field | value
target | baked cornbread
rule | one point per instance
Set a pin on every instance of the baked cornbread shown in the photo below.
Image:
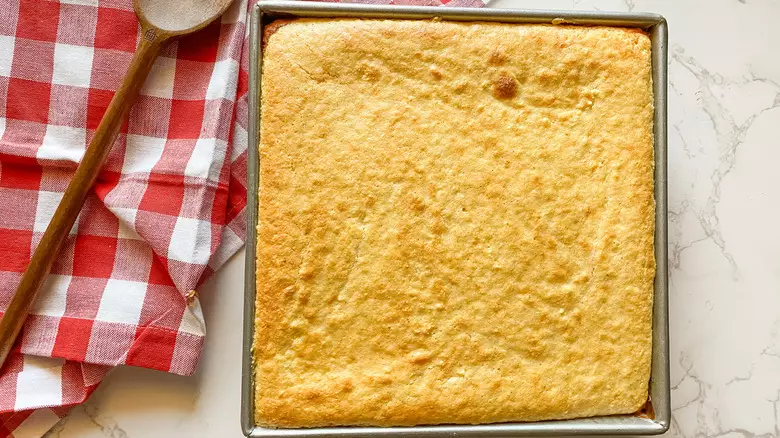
(455, 223)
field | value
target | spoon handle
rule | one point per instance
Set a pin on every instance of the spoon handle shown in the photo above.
(77, 190)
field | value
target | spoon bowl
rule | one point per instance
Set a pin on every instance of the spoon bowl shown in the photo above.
(179, 16)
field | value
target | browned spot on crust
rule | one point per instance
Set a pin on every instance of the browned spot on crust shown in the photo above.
(646, 411)
(496, 58)
(637, 30)
(347, 386)
(307, 273)
(505, 87)
(370, 73)
(419, 357)
(435, 73)
(438, 228)
(271, 28)
(417, 205)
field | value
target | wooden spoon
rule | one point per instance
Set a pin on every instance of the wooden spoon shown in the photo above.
(161, 21)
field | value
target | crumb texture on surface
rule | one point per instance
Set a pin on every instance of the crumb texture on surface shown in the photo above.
(456, 223)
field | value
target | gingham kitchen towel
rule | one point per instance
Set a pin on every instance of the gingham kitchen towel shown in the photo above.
(167, 209)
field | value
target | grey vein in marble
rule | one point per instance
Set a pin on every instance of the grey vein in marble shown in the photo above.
(730, 136)
(106, 424)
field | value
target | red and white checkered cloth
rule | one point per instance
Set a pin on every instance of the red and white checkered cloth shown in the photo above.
(166, 212)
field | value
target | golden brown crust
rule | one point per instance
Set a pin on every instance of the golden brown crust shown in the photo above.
(456, 223)
(271, 28)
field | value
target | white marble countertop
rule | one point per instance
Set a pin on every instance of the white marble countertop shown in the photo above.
(724, 149)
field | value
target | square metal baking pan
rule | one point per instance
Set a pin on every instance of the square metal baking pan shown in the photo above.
(266, 11)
